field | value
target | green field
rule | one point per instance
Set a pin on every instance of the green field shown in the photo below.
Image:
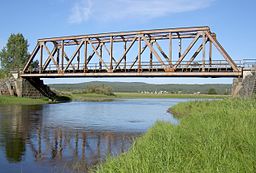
(118, 96)
(141, 95)
(213, 136)
(11, 100)
(136, 87)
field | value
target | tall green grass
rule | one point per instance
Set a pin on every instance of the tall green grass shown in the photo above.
(213, 136)
(11, 100)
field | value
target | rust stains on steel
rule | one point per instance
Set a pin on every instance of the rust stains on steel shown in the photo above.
(171, 52)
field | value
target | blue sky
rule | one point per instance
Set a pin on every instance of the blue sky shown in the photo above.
(233, 21)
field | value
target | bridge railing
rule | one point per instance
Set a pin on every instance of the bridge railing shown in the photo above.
(199, 66)
(249, 63)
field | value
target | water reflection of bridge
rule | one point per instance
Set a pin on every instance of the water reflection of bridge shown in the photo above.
(91, 147)
(24, 134)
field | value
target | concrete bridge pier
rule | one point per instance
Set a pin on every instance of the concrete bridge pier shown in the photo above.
(25, 87)
(246, 86)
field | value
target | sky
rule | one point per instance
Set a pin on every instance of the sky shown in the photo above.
(233, 22)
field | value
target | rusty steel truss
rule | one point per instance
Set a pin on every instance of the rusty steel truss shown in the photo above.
(174, 52)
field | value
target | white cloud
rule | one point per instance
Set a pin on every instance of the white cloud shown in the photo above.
(83, 10)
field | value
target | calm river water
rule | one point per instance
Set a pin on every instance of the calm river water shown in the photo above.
(71, 137)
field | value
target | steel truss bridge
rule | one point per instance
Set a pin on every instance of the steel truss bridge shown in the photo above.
(174, 52)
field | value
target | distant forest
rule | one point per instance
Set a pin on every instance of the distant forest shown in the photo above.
(145, 87)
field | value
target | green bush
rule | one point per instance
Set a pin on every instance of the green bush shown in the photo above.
(212, 91)
(99, 89)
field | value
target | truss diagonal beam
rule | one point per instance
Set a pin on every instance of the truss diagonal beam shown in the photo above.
(153, 50)
(222, 51)
(105, 47)
(195, 54)
(187, 50)
(125, 53)
(51, 57)
(162, 52)
(73, 56)
(31, 57)
(97, 53)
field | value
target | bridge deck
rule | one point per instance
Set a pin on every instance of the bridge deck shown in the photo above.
(159, 72)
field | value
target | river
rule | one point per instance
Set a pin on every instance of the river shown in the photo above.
(74, 136)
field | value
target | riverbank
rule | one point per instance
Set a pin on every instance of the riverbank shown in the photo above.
(92, 97)
(119, 95)
(12, 100)
(213, 136)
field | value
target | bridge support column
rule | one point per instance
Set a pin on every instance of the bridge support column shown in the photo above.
(35, 88)
(25, 87)
(246, 86)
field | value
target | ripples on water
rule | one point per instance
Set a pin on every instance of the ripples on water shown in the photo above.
(71, 137)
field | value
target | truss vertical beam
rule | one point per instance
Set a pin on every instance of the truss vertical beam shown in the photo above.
(41, 59)
(170, 48)
(85, 56)
(139, 54)
(203, 56)
(111, 55)
(125, 57)
(210, 53)
(62, 55)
